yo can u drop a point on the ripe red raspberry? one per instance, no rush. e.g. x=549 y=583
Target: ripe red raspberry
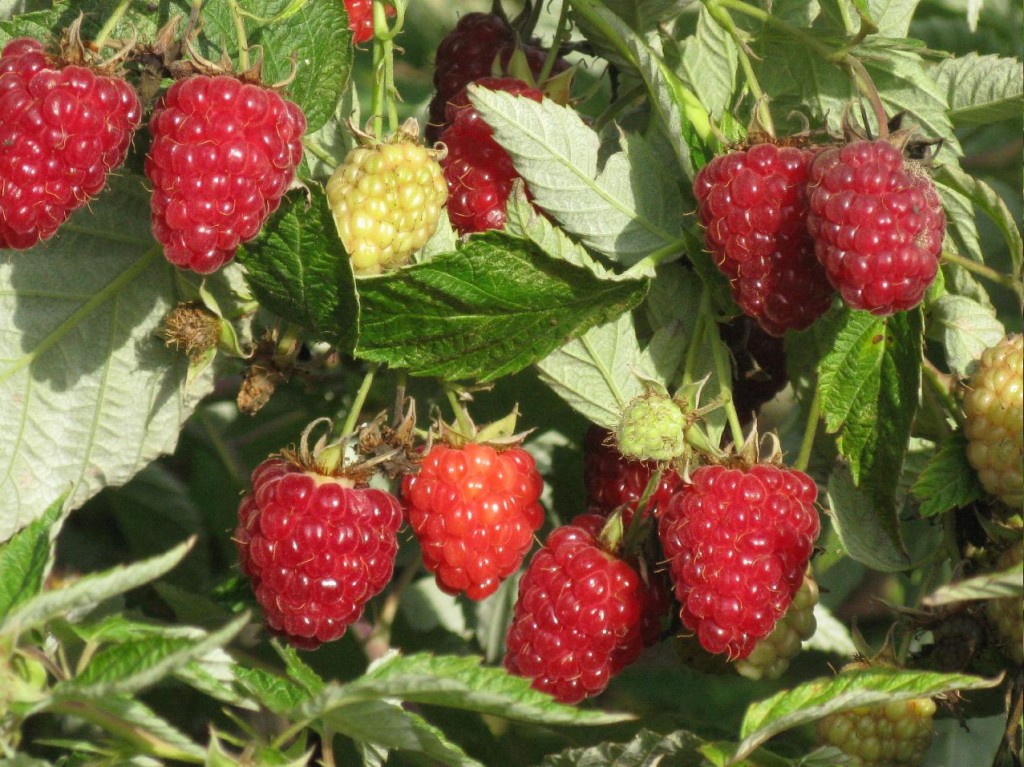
x=738 y=542
x=468 y=53
x=771 y=656
x=223 y=154
x=612 y=480
x=994 y=420
x=316 y=549
x=877 y=223
x=474 y=510
x=360 y=19
x=753 y=205
x=63 y=128
x=577 y=620
x=478 y=171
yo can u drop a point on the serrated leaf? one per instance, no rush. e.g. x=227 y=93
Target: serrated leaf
x=78 y=316
x=892 y=17
x=279 y=694
x=710 y=64
x=868 y=537
x=91 y=590
x=1001 y=585
x=821 y=697
x=298 y=669
x=596 y=374
x=869 y=386
x=298 y=269
x=127 y=668
x=961 y=224
x=494 y=307
x=620 y=210
x=966 y=329
x=981 y=90
x=646 y=749
x=948 y=480
x=25 y=558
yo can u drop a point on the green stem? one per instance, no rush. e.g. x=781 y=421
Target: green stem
x=651 y=260
x=243 y=43
x=360 y=399
x=318 y=151
x=616 y=107
x=384 y=90
x=560 y=33
x=463 y=424
x=698 y=333
x=803 y=458
x=110 y=23
x=772 y=21
x=721 y=15
x=724 y=372
x=934 y=379
x=980 y=269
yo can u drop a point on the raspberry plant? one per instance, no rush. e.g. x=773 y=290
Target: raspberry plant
x=798 y=224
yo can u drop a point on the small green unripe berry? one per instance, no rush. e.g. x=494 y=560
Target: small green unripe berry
x=652 y=428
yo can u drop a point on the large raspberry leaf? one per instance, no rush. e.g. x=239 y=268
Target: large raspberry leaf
x=298 y=269
x=966 y=328
x=948 y=481
x=820 y=697
x=980 y=89
x=488 y=310
x=91 y=393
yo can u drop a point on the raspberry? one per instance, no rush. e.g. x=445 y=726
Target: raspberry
x=315 y=548
x=877 y=223
x=223 y=155
x=753 y=205
x=474 y=510
x=738 y=542
x=893 y=734
x=1006 y=614
x=63 y=128
x=771 y=656
x=612 y=480
x=386 y=200
x=578 y=615
x=994 y=420
x=469 y=53
x=652 y=428
x=478 y=171
x=360 y=19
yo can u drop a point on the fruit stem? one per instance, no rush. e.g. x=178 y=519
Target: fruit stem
x=724 y=372
x=243 y=42
x=980 y=269
x=803 y=458
x=862 y=79
x=360 y=399
x=465 y=426
x=318 y=151
x=108 y=26
x=698 y=332
x=651 y=260
x=724 y=20
x=560 y=34
x=384 y=68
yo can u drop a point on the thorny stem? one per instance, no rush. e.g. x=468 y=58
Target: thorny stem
x=724 y=373
x=110 y=23
x=560 y=33
x=980 y=269
x=810 y=429
x=360 y=399
x=243 y=43
x=721 y=15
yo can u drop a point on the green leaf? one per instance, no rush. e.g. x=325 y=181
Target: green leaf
x=279 y=694
x=298 y=670
x=461 y=682
x=710 y=64
x=298 y=269
x=622 y=210
x=79 y=315
x=869 y=386
x=1001 y=585
x=91 y=590
x=820 y=697
x=647 y=748
x=316 y=38
x=127 y=668
x=25 y=558
x=494 y=307
x=965 y=328
x=981 y=90
x=948 y=480
x=868 y=537
x=892 y=17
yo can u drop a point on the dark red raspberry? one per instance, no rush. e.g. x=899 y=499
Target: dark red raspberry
x=474 y=510
x=577 y=620
x=738 y=543
x=611 y=480
x=478 y=171
x=360 y=19
x=878 y=225
x=470 y=52
x=224 y=152
x=753 y=205
x=63 y=128
x=315 y=548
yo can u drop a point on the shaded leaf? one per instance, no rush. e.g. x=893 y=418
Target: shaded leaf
x=647 y=748
x=867 y=537
x=25 y=558
x=1001 y=585
x=948 y=481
